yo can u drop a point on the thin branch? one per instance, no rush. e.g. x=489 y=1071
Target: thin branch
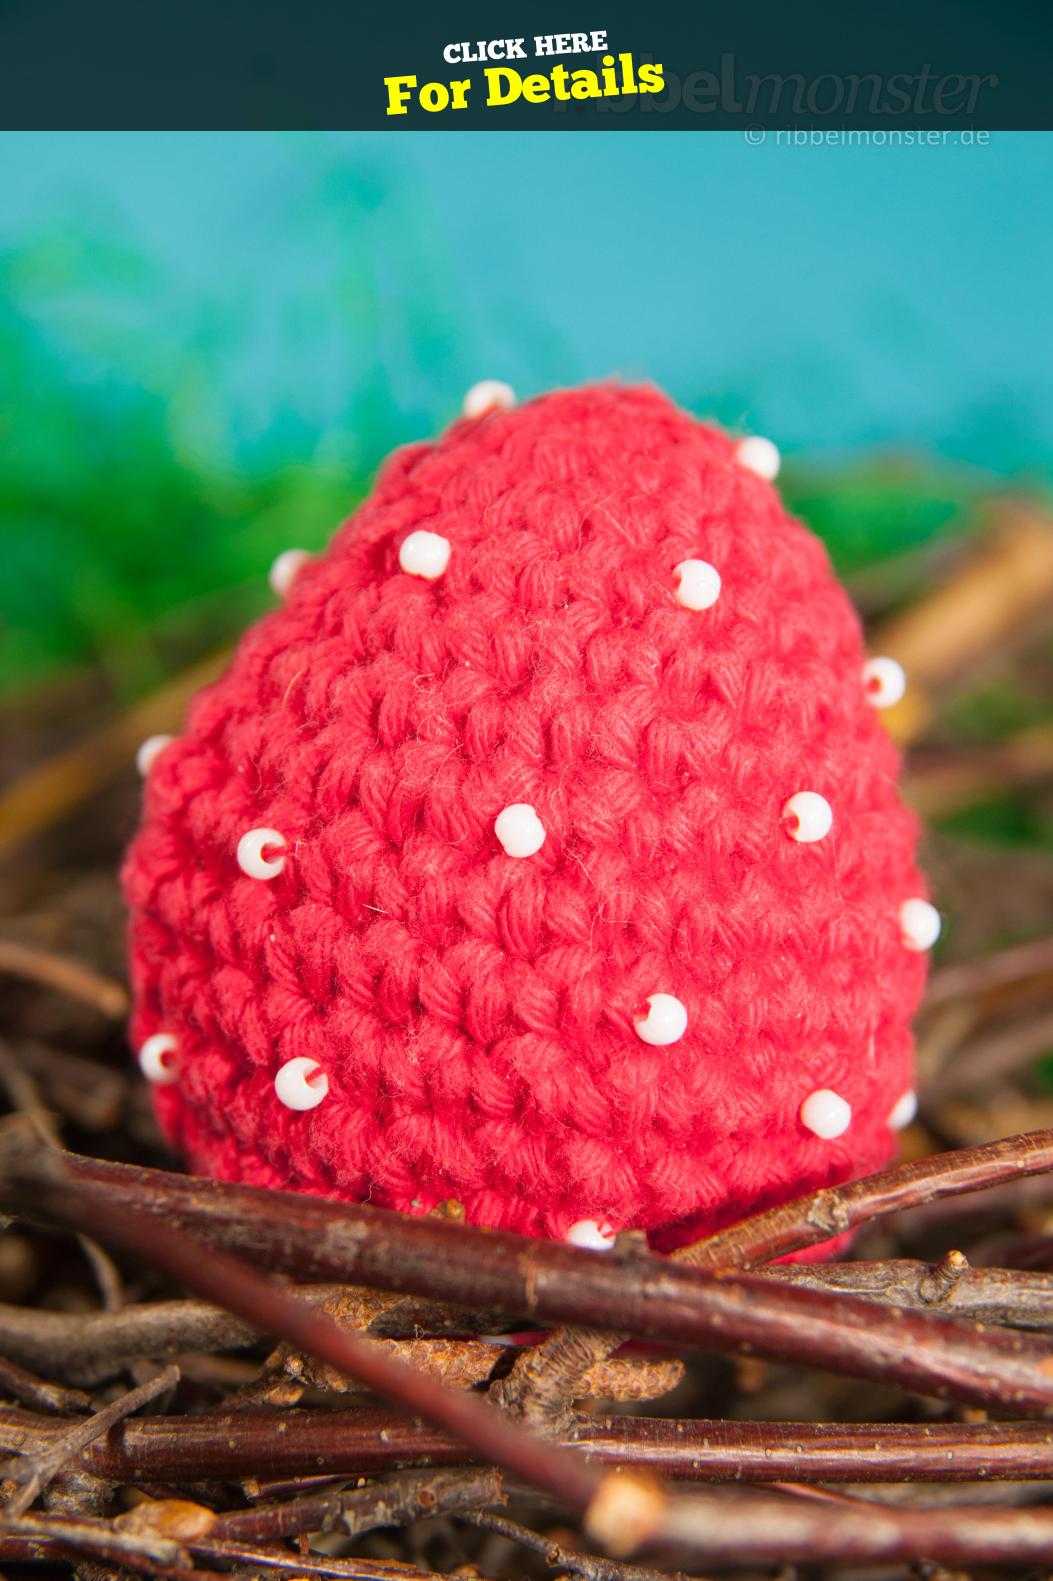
x=810 y=1220
x=33 y=1472
x=39 y=1395
x=651 y=1297
x=66 y=977
x=52 y=1536
x=969 y=979
x=275 y=1447
x=236 y=1285
x=1004 y=1296
x=736 y=1528
x=52 y=789
x=44 y=1536
x=90 y=1348
x=557 y=1557
x=392 y=1501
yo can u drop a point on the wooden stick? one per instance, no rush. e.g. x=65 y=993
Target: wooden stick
x=65 y=977
x=548 y=1281
x=283 y=1446
x=738 y=1528
x=810 y=1220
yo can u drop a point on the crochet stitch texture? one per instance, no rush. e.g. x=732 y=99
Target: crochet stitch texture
x=474 y=1012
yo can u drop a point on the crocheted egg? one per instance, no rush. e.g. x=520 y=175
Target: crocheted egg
x=543 y=850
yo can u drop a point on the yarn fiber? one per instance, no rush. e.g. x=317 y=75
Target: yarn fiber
x=472 y=1017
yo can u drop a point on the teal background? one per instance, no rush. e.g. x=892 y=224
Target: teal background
x=844 y=296
x=209 y=341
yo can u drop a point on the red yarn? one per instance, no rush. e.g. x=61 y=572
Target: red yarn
x=474 y=1012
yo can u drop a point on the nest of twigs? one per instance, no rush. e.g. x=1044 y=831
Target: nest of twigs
x=209 y=1378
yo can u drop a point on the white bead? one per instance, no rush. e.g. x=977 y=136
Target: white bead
x=903 y=1111
x=286 y=569
x=148 y=753
x=251 y=847
x=487 y=394
x=883 y=682
x=520 y=830
x=826 y=1113
x=807 y=817
x=594 y=1237
x=759 y=455
x=665 y=1021
x=153 y=1060
x=919 y=924
x=294 y=1085
x=425 y=554
x=699 y=584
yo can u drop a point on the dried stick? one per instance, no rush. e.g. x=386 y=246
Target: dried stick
x=54 y=1536
x=590 y=1566
x=29 y=1390
x=392 y=1501
x=735 y=1528
x=33 y=1472
x=278 y=1447
x=65 y=976
x=819 y=1217
x=647 y=1296
x=968 y=979
x=22 y=1091
x=347 y=1243
x=53 y=788
x=236 y=1285
x=90 y=1348
x=33 y=1537
x=983 y=1295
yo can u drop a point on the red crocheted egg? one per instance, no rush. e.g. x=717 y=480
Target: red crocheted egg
x=543 y=850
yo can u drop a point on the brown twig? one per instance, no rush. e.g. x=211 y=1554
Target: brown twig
x=32 y=1473
x=39 y=1395
x=647 y=1296
x=53 y=1536
x=280 y=1447
x=982 y=1295
x=768 y=1529
x=395 y=1500
x=219 y=1277
x=65 y=977
x=810 y=1220
x=971 y=979
x=558 y=1557
x=53 y=788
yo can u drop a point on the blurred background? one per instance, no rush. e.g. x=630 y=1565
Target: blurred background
x=209 y=342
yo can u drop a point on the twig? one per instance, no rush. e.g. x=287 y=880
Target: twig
x=975 y=1067
x=35 y=1471
x=294 y=1564
x=393 y=1501
x=39 y=1536
x=590 y=1566
x=970 y=979
x=65 y=976
x=1006 y=579
x=278 y=1446
x=22 y=1091
x=53 y=788
x=89 y=1348
x=983 y=1295
x=51 y=1536
x=647 y=1296
x=810 y=1220
x=29 y=1390
x=765 y=1529
x=236 y=1285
